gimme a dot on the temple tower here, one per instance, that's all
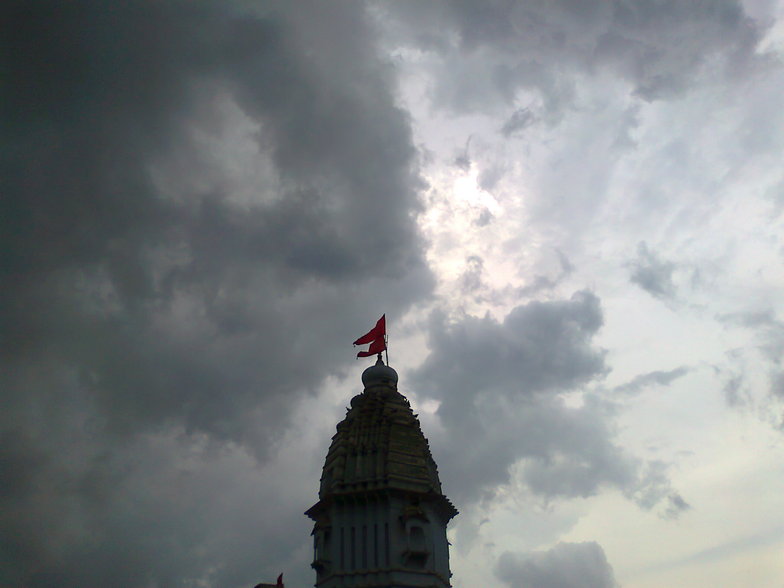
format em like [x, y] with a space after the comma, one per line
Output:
[381, 516]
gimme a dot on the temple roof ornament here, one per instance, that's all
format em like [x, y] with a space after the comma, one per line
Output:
[381, 517]
[379, 374]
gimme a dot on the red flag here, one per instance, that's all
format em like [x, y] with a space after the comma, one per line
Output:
[376, 346]
[280, 581]
[379, 331]
[376, 337]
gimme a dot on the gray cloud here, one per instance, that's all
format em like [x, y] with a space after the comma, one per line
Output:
[723, 551]
[542, 282]
[525, 344]
[488, 179]
[498, 384]
[653, 488]
[676, 506]
[471, 279]
[162, 312]
[777, 384]
[769, 335]
[751, 319]
[769, 329]
[660, 49]
[566, 565]
[519, 121]
[463, 158]
[202, 202]
[164, 508]
[592, 74]
[652, 274]
[656, 378]
[735, 392]
[776, 195]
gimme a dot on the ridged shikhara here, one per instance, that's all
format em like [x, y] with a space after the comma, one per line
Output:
[381, 516]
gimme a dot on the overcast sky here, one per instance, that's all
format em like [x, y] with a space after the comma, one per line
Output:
[570, 211]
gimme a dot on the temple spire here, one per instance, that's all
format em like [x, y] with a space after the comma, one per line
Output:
[381, 517]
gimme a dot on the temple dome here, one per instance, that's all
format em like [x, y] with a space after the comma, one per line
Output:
[379, 374]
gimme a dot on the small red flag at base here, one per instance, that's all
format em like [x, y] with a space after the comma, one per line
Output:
[280, 581]
[377, 337]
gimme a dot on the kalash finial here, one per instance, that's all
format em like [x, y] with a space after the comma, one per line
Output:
[379, 375]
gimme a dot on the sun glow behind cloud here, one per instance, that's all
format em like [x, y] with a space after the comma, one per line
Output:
[466, 187]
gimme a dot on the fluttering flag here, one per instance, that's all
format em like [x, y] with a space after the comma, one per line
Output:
[379, 331]
[377, 337]
[280, 581]
[375, 348]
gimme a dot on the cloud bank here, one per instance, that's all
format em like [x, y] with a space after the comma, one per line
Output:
[203, 203]
[567, 565]
[199, 200]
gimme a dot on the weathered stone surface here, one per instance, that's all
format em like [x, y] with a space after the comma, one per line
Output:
[379, 439]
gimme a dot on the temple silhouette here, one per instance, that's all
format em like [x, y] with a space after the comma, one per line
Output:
[381, 517]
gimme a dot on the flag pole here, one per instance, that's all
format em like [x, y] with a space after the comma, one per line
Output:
[386, 347]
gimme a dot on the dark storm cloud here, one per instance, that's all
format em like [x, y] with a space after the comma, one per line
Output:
[652, 274]
[566, 565]
[157, 328]
[498, 385]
